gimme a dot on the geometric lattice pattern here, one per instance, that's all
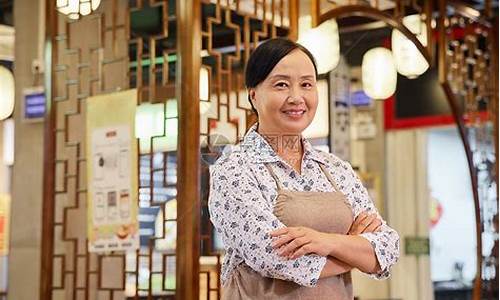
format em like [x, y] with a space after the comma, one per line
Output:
[132, 44]
[152, 61]
[230, 31]
[91, 60]
[470, 73]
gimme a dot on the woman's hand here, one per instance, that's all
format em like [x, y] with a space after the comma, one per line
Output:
[293, 242]
[365, 223]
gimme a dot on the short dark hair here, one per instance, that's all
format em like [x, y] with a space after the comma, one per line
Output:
[266, 56]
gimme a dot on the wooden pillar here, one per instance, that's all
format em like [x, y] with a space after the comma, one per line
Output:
[48, 156]
[315, 12]
[188, 155]
[294, 20]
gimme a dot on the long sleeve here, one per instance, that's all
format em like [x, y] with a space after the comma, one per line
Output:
[386, 241]
[244, 218]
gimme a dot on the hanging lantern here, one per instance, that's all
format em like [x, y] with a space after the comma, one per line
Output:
[379, 74]
[323, 43]
[74, 8]
[6, 93]
[409, 61]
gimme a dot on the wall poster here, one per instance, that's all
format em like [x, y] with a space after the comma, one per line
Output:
[112, 178]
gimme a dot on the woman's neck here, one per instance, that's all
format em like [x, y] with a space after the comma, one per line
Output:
[287, 145]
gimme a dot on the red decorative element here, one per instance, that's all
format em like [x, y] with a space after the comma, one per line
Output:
[391, 122]
[213, 124]
[436, 212]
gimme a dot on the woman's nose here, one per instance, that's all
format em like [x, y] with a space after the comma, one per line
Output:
[295, 95]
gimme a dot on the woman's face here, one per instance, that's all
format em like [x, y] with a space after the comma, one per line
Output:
[287, 99]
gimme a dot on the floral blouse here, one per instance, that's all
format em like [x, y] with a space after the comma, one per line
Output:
[241, 202]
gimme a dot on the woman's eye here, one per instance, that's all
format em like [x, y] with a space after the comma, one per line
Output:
[281, 84]
[307, 84]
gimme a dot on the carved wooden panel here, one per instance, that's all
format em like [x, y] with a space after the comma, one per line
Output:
[231, 30]
[132, 44]
[91, 59]
[152, 61]
[470, 53]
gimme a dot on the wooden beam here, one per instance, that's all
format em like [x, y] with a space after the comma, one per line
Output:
[293, 12]
[188, 154]
[49, 153]
[373, 13]
[315, 12]
[457, 115]
[428, 10]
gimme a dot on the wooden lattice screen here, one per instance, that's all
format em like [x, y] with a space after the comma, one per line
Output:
[135, 44]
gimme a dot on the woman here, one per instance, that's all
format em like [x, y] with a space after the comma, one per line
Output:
[294, 220]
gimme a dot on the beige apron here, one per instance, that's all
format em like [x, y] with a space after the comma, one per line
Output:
[321, 211]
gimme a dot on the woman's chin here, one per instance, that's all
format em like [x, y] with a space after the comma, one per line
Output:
[295, 126]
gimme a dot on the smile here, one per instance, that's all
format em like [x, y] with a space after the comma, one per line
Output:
[294, 113]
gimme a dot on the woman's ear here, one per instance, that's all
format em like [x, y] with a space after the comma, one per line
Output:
[251, 95]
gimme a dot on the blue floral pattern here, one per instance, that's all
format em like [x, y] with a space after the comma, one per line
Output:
[241, 202]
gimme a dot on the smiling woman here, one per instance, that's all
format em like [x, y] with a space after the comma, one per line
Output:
[294, 220]
[269, 81]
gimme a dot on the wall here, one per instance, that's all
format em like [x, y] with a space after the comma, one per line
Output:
[453, 238]
[26, 209]
[408, 209]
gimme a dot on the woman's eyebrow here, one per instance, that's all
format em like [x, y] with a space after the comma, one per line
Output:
[281, 76]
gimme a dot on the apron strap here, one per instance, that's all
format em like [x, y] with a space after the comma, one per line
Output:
[330, 178]
[278, 182]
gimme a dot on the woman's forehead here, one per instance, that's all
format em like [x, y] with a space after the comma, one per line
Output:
[295, 64]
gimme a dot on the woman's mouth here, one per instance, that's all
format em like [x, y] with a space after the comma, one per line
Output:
[294, 113]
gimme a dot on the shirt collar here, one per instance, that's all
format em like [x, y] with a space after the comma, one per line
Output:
[260, 151]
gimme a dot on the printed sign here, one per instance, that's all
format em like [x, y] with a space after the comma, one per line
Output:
[112, 172]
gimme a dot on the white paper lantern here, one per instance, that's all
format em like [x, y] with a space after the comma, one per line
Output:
[74, 8]
[6, 93]
[323, 43]
[320, 126]
[409, 61]
[378, 73]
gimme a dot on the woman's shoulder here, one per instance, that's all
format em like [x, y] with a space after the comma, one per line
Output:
[232, 159]
[333, 161]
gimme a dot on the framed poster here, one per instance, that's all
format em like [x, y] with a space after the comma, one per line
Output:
[112, 166]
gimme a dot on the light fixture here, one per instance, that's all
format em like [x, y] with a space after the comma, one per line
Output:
[322, 42]
[74, 8]
[6, 93]
[409, 61]
[378, 73]
[320, 127]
